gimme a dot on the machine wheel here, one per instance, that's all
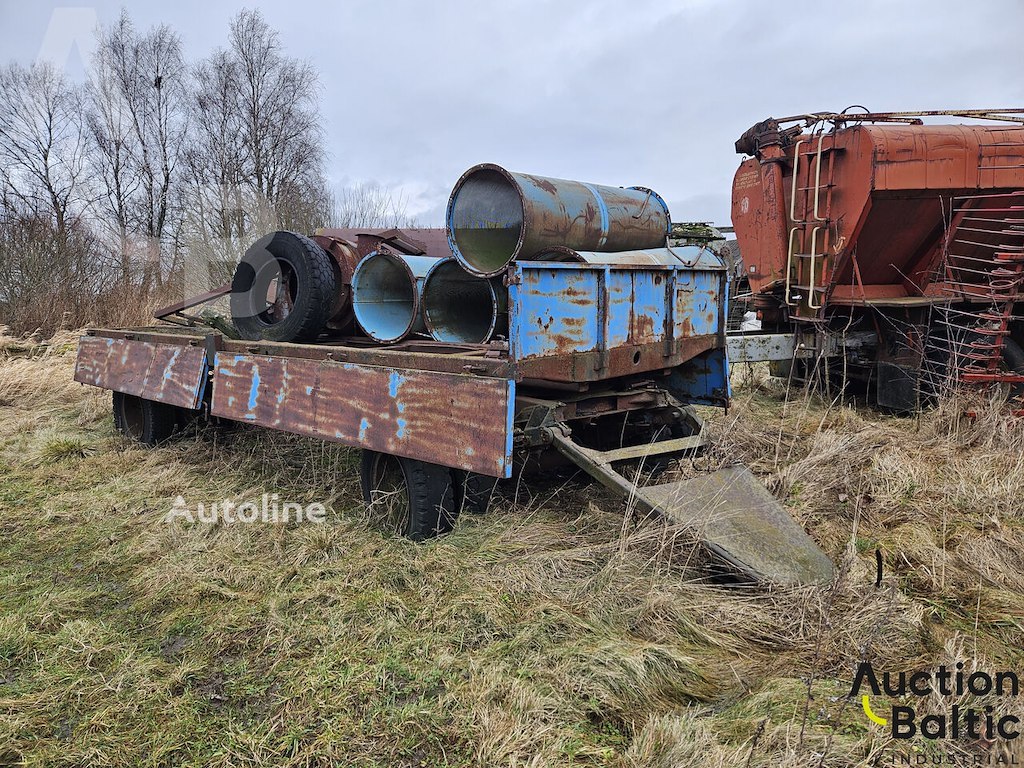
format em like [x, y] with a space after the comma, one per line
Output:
[145, 421]
[408, 497]
[1013, 358]
[283, 289]
[473, 491]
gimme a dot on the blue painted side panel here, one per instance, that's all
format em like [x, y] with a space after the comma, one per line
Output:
[564, 308]
[704, 380]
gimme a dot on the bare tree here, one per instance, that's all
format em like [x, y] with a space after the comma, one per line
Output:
[370, 205]
[42, 143]
[138, 125]
[257, 152]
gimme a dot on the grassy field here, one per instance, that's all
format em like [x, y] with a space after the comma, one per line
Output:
[552, 631]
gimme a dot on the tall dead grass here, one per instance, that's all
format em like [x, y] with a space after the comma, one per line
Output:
[552, 631]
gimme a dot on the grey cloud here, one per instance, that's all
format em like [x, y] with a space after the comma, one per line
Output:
[651, 93]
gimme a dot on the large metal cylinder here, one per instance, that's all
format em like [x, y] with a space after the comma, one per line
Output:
[386, 291]
[679, 256]
[460, 308]
[496, 216]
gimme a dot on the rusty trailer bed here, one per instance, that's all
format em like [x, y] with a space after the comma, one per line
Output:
[571, 326]
[449, 411]
[587, 344]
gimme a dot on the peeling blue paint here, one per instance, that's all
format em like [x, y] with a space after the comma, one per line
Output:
[402, 424]
[364, 424]
[254, 389]
[510, 417]
[170, 364]
[394, 382]
[566, 308]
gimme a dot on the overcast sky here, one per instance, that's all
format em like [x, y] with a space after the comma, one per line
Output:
[620, 92]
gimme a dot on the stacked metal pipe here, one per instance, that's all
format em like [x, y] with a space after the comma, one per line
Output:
[495, 217]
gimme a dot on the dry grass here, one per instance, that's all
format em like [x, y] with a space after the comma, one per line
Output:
[549, 632]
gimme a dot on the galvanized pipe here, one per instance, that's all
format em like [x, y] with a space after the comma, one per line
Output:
[496, 216]
[386, 292]
[461, 308]
[679, 256]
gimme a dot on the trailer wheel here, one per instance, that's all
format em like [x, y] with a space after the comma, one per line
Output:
[283, 289]
[473, 491]
[145, 421]
[408, 497]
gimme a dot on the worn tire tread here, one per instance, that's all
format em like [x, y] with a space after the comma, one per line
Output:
[311, 314]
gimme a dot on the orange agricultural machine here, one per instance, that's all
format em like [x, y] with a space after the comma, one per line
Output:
[893, 245]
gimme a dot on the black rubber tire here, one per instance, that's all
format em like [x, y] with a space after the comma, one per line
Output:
[1013, 357]
[426, 505]
[315, 288]
[473, 491]
[145, 421]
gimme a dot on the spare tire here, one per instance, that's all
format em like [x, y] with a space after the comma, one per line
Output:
[283, 289]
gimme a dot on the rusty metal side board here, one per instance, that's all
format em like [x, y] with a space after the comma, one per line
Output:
[168, 373]
[444, 360]
[456, 420]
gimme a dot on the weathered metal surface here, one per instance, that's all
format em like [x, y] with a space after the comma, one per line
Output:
[496, 216]
[346, 257]
[728, 511]
[430, 241]
[762, 347]
[606, 313]
[462, 308]
[704, 380]
[744, 525]
[168, 373]
[454, 420]
[689, 256]
[870, 204]
[386, 291]
[420, 355]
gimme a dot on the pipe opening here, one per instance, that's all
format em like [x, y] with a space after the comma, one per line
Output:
[384, 297]
[485, 219]
[458, 307]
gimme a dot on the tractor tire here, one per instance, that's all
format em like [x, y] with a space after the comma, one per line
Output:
[145, 421]
[407, 497]
[283, 289]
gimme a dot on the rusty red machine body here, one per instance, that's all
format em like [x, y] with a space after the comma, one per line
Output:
[870, 222]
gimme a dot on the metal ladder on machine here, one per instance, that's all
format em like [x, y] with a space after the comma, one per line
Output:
[984, 263]
[807, 265]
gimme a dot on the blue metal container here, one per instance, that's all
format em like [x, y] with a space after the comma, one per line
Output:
[461, 308]
[386, 291]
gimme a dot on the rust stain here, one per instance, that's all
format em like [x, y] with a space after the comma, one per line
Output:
[166, 373]
[449, 419]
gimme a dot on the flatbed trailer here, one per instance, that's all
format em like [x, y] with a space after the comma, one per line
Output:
[601, 368]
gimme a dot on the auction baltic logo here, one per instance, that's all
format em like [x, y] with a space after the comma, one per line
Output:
[959, 722]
